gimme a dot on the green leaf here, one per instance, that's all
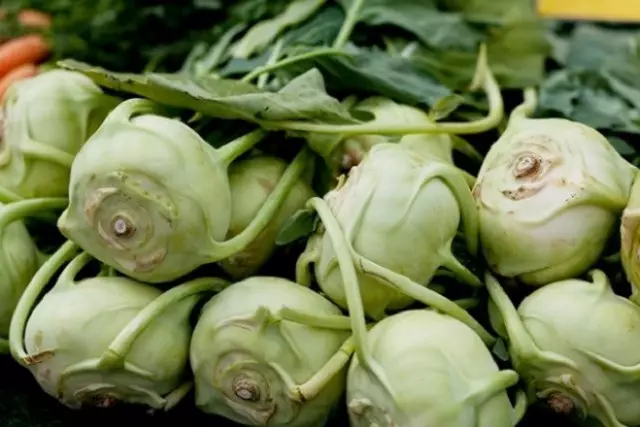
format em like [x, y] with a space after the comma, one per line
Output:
[265, 32]
[303, 98]
[445, 106]
[374, 72]
[423, 19]
[321, 30]
[299, 225]
[492, 11]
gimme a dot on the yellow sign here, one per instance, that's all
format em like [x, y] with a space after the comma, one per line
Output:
[597, 10]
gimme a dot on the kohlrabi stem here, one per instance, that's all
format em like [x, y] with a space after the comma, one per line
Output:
[456, 182]
[292, 60]
[273, 58]
[459, 271]
[520, 407]
[39, 151]
[490, 121]
[327, 322]
[527, 107]
[320, 379]
[115, 355]
[67, 277]
[310, 255]
[8, 196]
[29, 207]
[124, 111]
[222, 250]
[349, 24]
[518, 335]
[176, 396]
[423, 294]
[236, 148]
[466, 303]
[29, 297]
[488, 388]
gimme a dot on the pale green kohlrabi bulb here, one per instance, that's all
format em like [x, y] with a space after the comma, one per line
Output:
[549, 195]
[269, 352]
[252, 180]
[400, 211]
[106, 340]
[44, 122]
[149, 197]
[630, 240]
[439, 373]
[576, 344]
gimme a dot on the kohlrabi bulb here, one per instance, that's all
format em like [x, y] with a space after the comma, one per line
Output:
[44, 122]
[149, 197]
[252, 180]
[399, 210]
[18, 263]
[255, 364]
[576, 345]
[630, 240]
[438, 373]
[109, 339]
[549, 195]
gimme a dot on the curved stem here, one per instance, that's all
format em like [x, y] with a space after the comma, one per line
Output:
[461, 272]
[47, 153]
[351, 285]
[222, 250]
[27, 207]
[8, 196]
[176, 396]
[337, 322]
[292, 60]
[520, 408]
[424, 295]
[338, 361]
[29, 297]
[490, 121]
[309, 256]
[498, 383]
[527, 107]
[114, 356]
[273, 58]
[349, 24]
[67, 277]
[124, 111]
[236, 148]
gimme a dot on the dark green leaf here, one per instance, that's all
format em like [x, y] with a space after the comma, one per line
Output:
[303, 98]
[299, 225]
[321, 30]
[371, 71]
[423, 19]
[500, 350]
[592, 47]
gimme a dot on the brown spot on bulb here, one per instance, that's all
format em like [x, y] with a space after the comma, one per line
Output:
[246, 389]
[560, 404]
[527, 166]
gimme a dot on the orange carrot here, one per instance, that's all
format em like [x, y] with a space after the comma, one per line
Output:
[34, 18]
[27, 49]
[19, 73]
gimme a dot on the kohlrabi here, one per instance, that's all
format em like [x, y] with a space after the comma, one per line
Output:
[630, 240]
[268, 351]
[400, 211]
[106, 340]
[439, 373]
[576, 345]
[149, 197]
[549, 194]
[252, 180]
[408, 371]
[43, 123]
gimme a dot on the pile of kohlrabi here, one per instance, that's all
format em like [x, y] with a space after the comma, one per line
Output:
[280, 254]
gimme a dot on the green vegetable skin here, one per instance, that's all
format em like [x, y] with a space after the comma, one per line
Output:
[549, 195]
[256, 368]
[400, 210]
[45, 121]
[106, 339]
[574, 342]
[440, 374]
[251, 181]
[152, 199]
